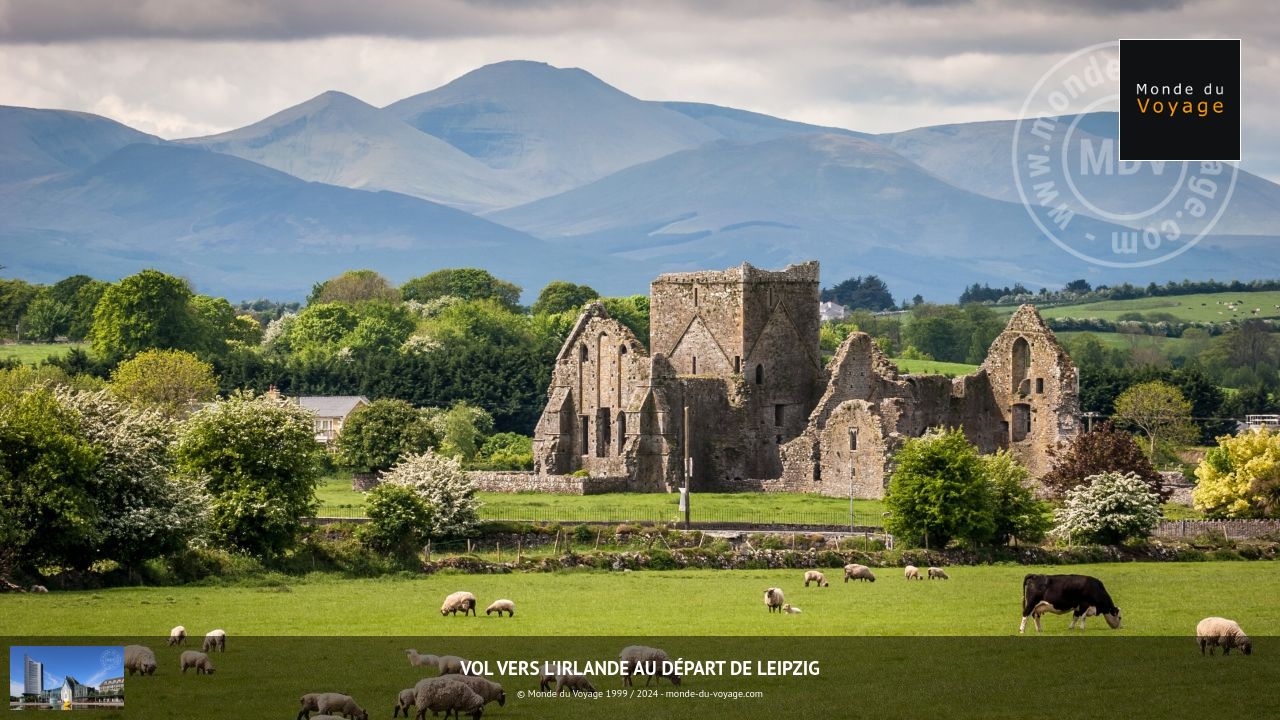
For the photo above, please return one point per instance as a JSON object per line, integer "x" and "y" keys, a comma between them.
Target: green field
{"x": 33, "y": 353}
{"x": 1168, "y": 346}
{"x": 933, "y": 367}
{"x": 1204, "y": 307}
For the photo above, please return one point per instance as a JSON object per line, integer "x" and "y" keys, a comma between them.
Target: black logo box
{"x": 1186, "y": 68}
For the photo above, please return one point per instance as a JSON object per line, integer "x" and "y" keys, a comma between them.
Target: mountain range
{"x": 540, "y": 173}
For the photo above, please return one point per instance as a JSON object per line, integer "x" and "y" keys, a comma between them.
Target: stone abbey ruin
{"x": 736, "y": 352}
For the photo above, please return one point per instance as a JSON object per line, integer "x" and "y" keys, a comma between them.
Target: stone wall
{"x": 1231, "y": 529}
{"x": 530, "y": 481}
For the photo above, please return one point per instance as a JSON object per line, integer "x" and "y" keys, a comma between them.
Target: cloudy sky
{"x": 188, "y": 67}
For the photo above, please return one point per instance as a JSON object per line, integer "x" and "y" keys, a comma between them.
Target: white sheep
{"x": 39, "y": 589}
{"x": 501, "y": 606}
{"x": 815, "y": 576}
{"x": 331, "y": 703}
{"x": 418, "y": 659}
{"x": 647, "y": 661}
{"x": 215, "y": 640}
{"x": 791, "y": 609}
{"x": 403, "y": 702}
{"x": 461, "y": 601}
{"x": 484, "y": 687}
{"x": 197, "y": 660}
{"x": 853, "y": 571}
{"x": 773, "y": 599}
{"x": 139, "y": 659}
{"x": 1213, "y": 632}
{"x": 911, "y": 572}
{"x": 447, "y": 694}
{"x": 574, "y": 684}
{"x": 938, "y": 574}
{"x": 550, "y": 672}
{"x": 450, "y": 665}
{"x": 177, "y": 636}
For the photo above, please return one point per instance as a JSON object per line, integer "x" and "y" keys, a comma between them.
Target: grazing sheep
{"x": 858, "y": 572}
{"x": 197, "y": 660}
{"x": 447, "y": 694}
{"x": 550, "y": 672}
{"x": 461, "y": 601}
{"x": 641, "y": 659}
{"x": 139, "y": 659}
{"x": 1213, "y": 632}
{"x": 39, "y": 589}
{"x": 216, "y": 639}
{"x": 501, "y": 606}
{"x": 815, "y": 576}
{"x": 484, "y": 687}
{"x": 791, "y": 609}
{"x": 450, "y": 665}
{"x": 911, "y": 572}
{"x": 574, "y": 684}
{"x": 417, "y": 659}
{"x": 937, "y": 573}
{"x": 331, "y": 703}
{"x": 773, "y": 599}
{"x": 177, "y": 636}
{"x": 403, "y": 702}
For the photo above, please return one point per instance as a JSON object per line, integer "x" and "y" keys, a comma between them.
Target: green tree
{"x": 46, "y": 317}
{"x": 144, "y": 311}
{"x": 506, "y": 451}
{"x": 353, "y": 287}
{"x": 462, "y": 430}
{"x": 866, "y": 293}
{"x": 1104, "y": 449}
{"x": 560, "y": 296}
{"x": 1240, "y": 478}
{"x": 939, "y": 492}
{"x": 320, "y": 328}
{"x": 258, "y": 460}
{"x": 632, "y": 311}
{"x": 15, "y": 296}
{"x": 1159, "y": 412}
{"x": 215, "y": 322}
{"x": 171, "y": 381}
{"x": 447, "y": 493}
{"x": 464, "y": 283}
{"x": 1017, "y": 513}
{"x": 1109, "y": 510}
{"x": 400, "y": 521}
{"x": 377, "y": 435}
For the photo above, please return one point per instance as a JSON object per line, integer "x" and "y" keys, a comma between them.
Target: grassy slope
{"x": 35, "y": 352}
{"x": 1203, "y": 307}
{"x": 1166, "y": 345}
{"x": 933, "y": 367}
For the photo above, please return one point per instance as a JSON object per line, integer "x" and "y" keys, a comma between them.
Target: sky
{"x": 89, "y": 664}
{"x": 178, "y": 68}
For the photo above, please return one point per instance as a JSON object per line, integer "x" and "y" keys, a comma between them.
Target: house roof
{"x": 332, "y": 406}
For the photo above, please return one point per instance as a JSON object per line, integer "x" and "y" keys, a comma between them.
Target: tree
{"x": 46, "y": 318}
{"x": 1240, "y": 478}
{"x": 939, "y": 491}
{"x": 1017, "y": 513}
{"x": 353, "y": 287}
{"x": 257, "y": 458}
{"x": 400, "y": 520}
{"x": 1159, "y": 412}
{"x": 560, "y": 296}
{"x": 172, "y": 381}
{"x": 446, "y": 491}
{"x": 632, "y": 311}
{"x": 144, "y": 311}
{"x": 15, "y": 296}
{"x": 320, "y": 328}
{"x": 377, "y": 435}
{"x": 1104, "y": 449}
{"x": 462, "y": 430}
{"x": 506, "y": 451}
{"x": 1078, "y": 286}
{"x": 869, "y": 293}
{"x": 1111, "y": 509}
{"x": 464, "y": 283}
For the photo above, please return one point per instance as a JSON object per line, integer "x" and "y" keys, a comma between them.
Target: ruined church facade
{"x": 736, "y": 357}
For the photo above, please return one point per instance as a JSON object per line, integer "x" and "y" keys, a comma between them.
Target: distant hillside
{"x": 1201, "y": 307}
{"x": 39, "y": 143}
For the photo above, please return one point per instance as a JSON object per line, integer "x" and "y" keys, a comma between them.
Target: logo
{"x": 1082, "y": 196}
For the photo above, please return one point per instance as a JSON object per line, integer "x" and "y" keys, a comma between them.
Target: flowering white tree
{"x": 447, "y": 491}
{"x": 1109, "y": 509}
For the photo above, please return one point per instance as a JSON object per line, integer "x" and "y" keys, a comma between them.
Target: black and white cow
{"x": 1080, "y": 595}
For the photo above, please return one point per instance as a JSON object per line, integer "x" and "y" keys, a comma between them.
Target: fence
{"x": 1230, "y": 529}
{"x": 620, "y": 515}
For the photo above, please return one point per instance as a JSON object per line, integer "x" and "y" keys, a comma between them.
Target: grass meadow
{"x": 1202, "y": 307}
{"x": 32, "y": 353}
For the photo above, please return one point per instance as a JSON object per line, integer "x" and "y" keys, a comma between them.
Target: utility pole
{"x": 688, "y": 468}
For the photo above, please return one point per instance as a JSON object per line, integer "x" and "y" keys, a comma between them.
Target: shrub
{"x": 445, "y": 490}
{"x": 399, "y": 520}
{"x": 939, "y": 492}
{"x": 1241, "y": 477}
{"x": 1112, "y": 508}
{"x": 1105, "y": 449}
{"x": 506, "y": 451}
{"x": 376, "y": 436}
{"x": 1016, "y": 511}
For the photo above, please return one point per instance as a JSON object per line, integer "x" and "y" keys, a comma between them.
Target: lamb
{"x": 177, "y": 636}
{"x": 773, "y": 599}
{"x": 574, "y": 684}
{"x": 815, "y": 576}
{"x": 501, "y": 606}
{"x": 139, "y": 659}
{"x": 197, "y": 660}
{"x": 1213, "y": 632}
{"x": 484, "y": 687}
{"x": 215, "y": 639}
{"x": 331, "y": 703}
{"x": 460, "y": 601}
{"x": 417, "y": 659}
{"x": 646, "y": 661}
{"x": 937, "y": 573}
{"x": 791, "y": 609}
{"x": 858, "y": 572}
{"x": 911, "y": 572}
{"x": 403, "y": 702}
{"x": 447, "y": 694}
